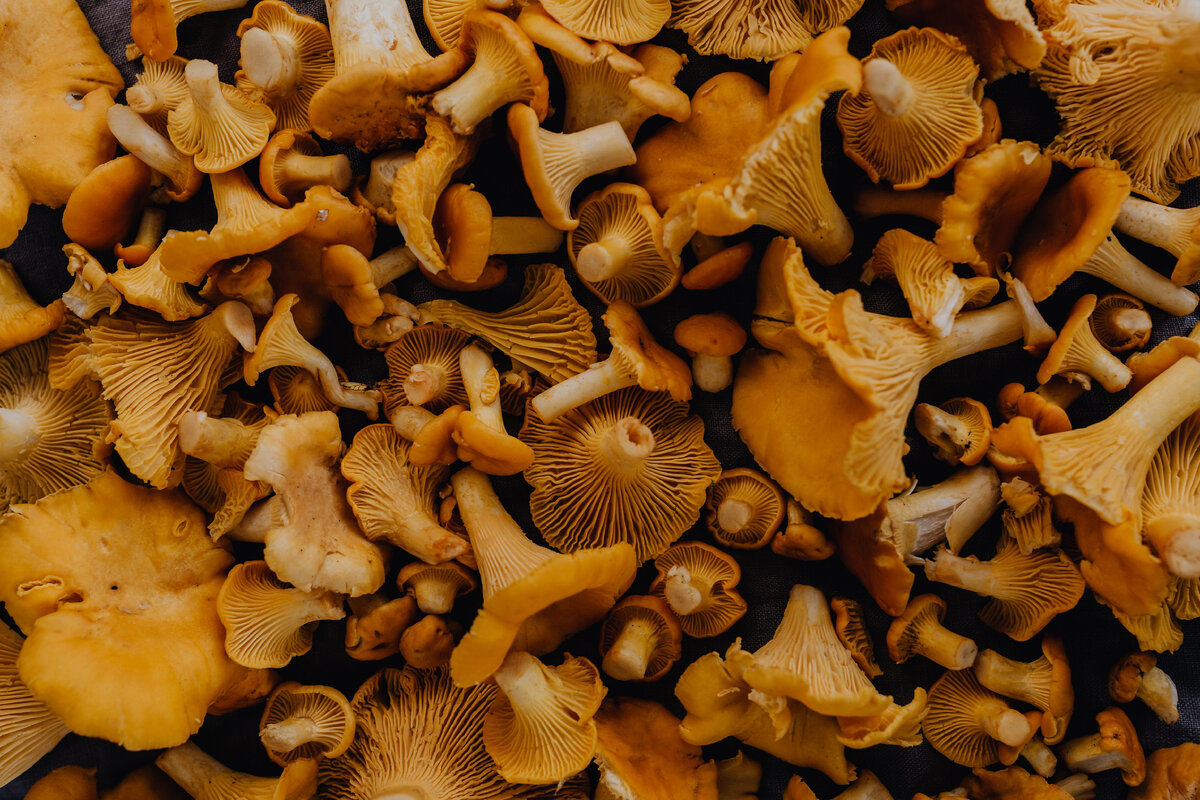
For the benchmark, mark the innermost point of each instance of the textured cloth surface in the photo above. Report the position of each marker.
(1094, 640)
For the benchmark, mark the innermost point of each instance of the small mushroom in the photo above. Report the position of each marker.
(268, 623)
(1036, 332)
(919, 631)
(1028, 518)
(479, 431)
(959, 429)
(297, 391)
(718, 269)
(1046, 406)
(429, 642)
(436, 586)
(159, 88)
(744, 509)
(1078, 355)
(90, 293)
(423, 370)
(1138, 675)
(636, 359)
(301, 722)
(218, 124)
(147, 238)
(712, 340)
(1176, 230)
(851, 628)
(918, 110)
(699, 582)
(148, 286)
(375, 625)
(640, 639)
(967, 723)
(1115, 746)
(182, 179)
(285, 57)
(800, 538)
(205, 778)
(1027, 591)
(1044, 684)
(21, 319)
(291, 163)
(1121, 323)
(153, 22)
(540, 728)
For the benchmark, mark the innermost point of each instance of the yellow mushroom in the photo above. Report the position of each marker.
(1121, 323)
(1044, 683)
(744, 509)
(205, 778)
(285, 58)
(621, 22)
(758, 29)
(148, 286)
(153, 148)
(1027, 518)
(153, 22)
(640, 639)
(90, 293)
(919, 631)
(1168, 508)
(301, 722)
(1176, 230)
(159, 88)
(1002, 36)
(423, 370)
(218, 124)
(699, 583)
(1078, 355)
(21, 319)
(967, 723)
(436, 586)
(291, 163)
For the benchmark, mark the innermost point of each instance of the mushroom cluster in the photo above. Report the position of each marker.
(538, 366)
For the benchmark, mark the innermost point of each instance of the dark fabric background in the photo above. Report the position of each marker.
(1094, 640)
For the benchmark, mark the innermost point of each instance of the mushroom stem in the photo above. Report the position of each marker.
(1088, 754)
(433, 597)
(1040, 757)
(712, 373)
(1113, 263)
(734, 514)
(378, 31)
(18, 433)
(875, 201)
(1176, 539)
(392, 264)
(424, 383)
(980, 330)
(1027, 682)
(298, 171)
(950, 511)
(629, 657)
(604, 258)
(150, 146)
(205, 87)
(627, 444)
(891, 91)
(409, 421)
(1002, 723)
(684, 593)
(270, 61)
(145, 100)
(150, 230)
(288, 734)
(482, 383)
(521, 681)
(945, 647)
(224, 443)
(190, 767)
(1036, 332)
(518, 235)
(484, 87)
(1162, 226)
(596, 381)
(1079, 786)
(1159, 692)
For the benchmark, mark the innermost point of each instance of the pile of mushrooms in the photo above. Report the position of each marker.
(537, 371)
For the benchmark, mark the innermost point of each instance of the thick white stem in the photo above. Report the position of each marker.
(205, 87)
(603, 378)
(1113, 263)
(890, 90)
(376, 31)
(18, 433)
(603, 259)
(270, 62)
(478, 372)
(392, 264)
(288, 734)
(627, 445)
(150, 146)
(1159, 225)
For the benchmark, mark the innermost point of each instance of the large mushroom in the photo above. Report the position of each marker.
(28, 728)
(631, 466)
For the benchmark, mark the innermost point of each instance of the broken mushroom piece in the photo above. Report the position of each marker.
(1078, 355)
(479, 431)
(539, 728)
(805, 661)
(617, 249)
(533, 597)
(70, 563)
(554, 164)
(21, 319)
(636, 360)
(959, 430)
(744, 509)
(301, 722)
(286, 57)
(640, 639)
(918, 110)
(851, 628)
(1028, 518)
(712, 340)
(429, 642)
(631, 466)
(1138, 676)
(268, 623)
(967, 723)
(435, 586)
(28, 728)
(91, 293)
(1121, 323)
(1027, 591)
(205, 778)
(219, 125)
(1115, 746)
(546, 330)
(919, 631)
(1044, 684)
(1176, 230)
(800, 539)
(628, 729)
(699, 583)
(933, 292)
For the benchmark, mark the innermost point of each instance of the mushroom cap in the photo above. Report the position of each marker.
(313, 539)
(221, 126)
(877, 560)
(148, 286)
(961, 439)
(805, 661)
(1149, 365)
(709, 576)
(21, 319)
(547, 329)
(645, 616)
(539, 728)
(417, 733)
(89, 552)
(896, 725)
(1183, 598)
(585, 494)
(758, 29)
(321, 716)
(717, 334)
(1044, 684)
(1121, 323)
(617, 249)
(1001, 35)
(146, 783)
(1067, 227)
(744, 509)
(1171, 773)
(1013, 783)
(1079, 355)
(1125, 677)
(65, 783)
(106, 204)
(960, 714)
(67, 428)
(994, 191)
(55, 77)
(904, 632)
(297, 391)
(619, 22)
(30, 728)
(641, 754)
(375, 625)
(268, 623)
(436, 586)
(462, 225)
(657, 369)
(922, 136)
(296, 43)
(279, 177)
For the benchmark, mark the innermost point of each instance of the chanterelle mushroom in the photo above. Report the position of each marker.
(312, 539)
(967, 723)
(1172, 773)
(1137, 675)
(205, 778)
(1115, 746)
(699, 582)
(72, 567)
(759, 29)
(305, 722)
(21, 318)
(642, 756)
(54, 77)
(28, 728)
(1044, 683)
